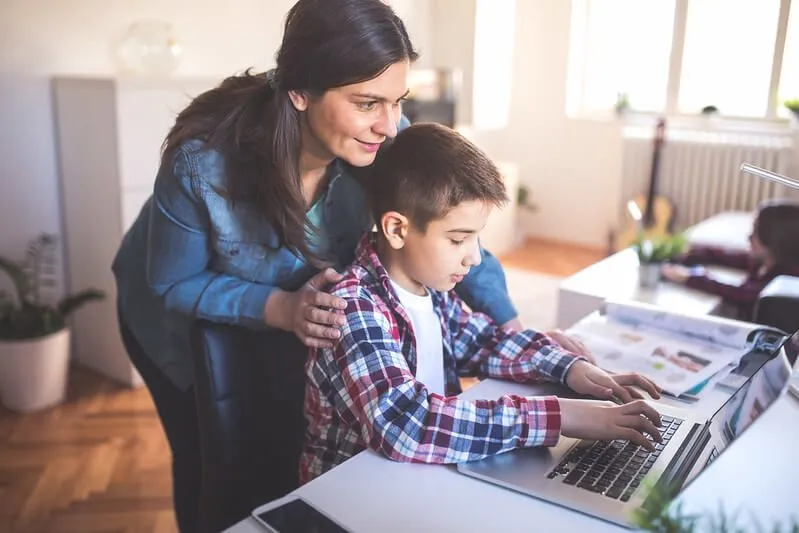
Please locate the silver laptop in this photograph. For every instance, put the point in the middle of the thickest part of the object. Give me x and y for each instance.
(605, 478)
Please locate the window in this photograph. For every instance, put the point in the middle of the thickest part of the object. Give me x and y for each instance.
(789, 80)
(634, 61)
(727, 59)
(678, 56)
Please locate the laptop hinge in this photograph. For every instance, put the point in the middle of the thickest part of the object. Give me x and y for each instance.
(673, 477)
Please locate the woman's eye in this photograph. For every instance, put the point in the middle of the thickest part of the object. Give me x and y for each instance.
(366, 106)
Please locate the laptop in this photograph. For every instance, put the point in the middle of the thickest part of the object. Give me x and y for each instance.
(609, 479)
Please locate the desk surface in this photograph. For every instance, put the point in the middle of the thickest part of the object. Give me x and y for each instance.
(370, 493)
(616, 277)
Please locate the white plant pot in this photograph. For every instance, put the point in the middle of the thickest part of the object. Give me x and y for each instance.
(33, 373)
(649, 275)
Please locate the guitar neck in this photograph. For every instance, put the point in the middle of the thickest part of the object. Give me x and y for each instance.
(649, 216)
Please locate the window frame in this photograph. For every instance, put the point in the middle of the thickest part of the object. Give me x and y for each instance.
(575, 87)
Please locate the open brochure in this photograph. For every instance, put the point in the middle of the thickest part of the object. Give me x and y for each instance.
(676, 351)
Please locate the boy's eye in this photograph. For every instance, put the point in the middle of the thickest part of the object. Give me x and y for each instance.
(456, 242)
(366, 106)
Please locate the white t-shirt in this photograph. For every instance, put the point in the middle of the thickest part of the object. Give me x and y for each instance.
(429, 343)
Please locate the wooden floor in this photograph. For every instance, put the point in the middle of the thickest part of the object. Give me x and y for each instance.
(100, 462)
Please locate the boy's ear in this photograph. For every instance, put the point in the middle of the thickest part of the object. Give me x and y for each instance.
(394, 227)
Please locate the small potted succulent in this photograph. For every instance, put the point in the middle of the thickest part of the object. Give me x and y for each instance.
(653, 252)
(34, 336)
(792, 105)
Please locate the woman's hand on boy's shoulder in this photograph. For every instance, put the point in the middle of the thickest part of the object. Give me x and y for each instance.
(586, 378)
(312, 314)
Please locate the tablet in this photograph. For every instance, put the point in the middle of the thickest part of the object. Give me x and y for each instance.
(297, 516)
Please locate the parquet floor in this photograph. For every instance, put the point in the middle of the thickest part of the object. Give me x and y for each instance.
(100, 462)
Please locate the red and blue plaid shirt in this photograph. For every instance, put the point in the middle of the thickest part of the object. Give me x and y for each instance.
(362, 392)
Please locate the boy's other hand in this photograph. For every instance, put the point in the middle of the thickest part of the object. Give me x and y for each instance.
(594, 419)
(585, 378)
(571, 344)
(315, 315)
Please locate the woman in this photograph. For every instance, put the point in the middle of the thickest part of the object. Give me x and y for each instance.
(774, 251)
(255, 199)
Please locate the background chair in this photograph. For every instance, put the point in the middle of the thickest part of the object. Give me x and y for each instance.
(249, 404)
(778, 304)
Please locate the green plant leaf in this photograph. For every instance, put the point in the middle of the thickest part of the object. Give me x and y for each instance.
(659, 250)
(30, 317)
(70, 303)
(18, 277)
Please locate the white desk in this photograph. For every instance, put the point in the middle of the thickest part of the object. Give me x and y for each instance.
(370, 493)
(616, 276)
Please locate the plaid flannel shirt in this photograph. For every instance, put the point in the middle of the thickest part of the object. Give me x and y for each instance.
(362, 393)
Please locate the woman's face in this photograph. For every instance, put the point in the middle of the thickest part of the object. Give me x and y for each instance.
(352, 121)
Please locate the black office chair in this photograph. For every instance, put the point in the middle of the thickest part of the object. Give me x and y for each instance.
(249, 404)
(778, 304)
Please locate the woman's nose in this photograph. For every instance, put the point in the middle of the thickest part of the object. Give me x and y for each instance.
(387, 123)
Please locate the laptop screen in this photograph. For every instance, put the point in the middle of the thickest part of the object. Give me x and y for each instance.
(754, 397)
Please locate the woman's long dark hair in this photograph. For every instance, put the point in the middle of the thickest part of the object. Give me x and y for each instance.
(777, 227)
(252, 122)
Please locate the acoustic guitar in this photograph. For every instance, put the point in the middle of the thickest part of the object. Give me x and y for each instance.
(650, 216)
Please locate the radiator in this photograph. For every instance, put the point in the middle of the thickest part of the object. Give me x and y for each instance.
(699, 171)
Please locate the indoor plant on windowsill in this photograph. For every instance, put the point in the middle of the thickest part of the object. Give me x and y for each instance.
(652, 253)
(34, 337)
(792, 105)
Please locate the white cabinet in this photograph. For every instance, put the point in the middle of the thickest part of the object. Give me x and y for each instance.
(109, 134)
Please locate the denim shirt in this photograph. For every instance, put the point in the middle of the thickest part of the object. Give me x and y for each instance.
(192, 254)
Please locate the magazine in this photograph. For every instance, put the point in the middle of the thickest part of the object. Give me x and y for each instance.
(676, 351)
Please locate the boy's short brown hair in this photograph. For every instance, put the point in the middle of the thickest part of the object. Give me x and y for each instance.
(427, 170)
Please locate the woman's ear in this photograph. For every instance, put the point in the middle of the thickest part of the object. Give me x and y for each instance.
(394, 227)
(299, 99)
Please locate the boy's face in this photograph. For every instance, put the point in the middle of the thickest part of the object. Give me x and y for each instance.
(440, 256)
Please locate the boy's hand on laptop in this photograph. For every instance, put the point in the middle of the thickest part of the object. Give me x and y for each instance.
(571, 344)
(598, 420)
(586, 378)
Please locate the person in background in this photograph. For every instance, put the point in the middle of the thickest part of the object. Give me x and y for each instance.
(774, 251)
(257, 200)
(391, 382)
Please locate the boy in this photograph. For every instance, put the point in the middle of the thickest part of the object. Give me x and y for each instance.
(390, 383)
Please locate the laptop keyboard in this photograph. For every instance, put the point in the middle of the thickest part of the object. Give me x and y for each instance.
(613, 468)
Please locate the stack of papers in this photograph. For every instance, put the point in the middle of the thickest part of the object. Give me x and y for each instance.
(675, 351)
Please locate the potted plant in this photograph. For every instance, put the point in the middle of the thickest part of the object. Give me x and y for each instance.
(792, 105)
(34, 337)
(653, 252)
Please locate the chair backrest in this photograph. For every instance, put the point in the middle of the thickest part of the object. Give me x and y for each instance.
(778, 304)
(250, 388)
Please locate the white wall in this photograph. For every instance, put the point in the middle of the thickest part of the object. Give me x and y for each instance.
(573, 168)
(41, 38)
